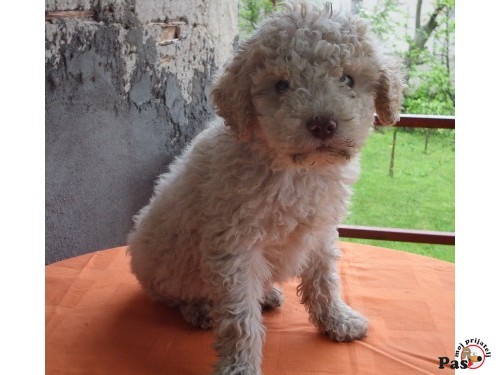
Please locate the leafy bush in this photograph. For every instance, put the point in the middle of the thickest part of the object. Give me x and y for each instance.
(430, 91)
(251, 12)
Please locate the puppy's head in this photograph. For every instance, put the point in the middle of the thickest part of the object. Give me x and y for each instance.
(307, 84)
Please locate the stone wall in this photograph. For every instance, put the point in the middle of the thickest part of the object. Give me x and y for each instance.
(127, 84)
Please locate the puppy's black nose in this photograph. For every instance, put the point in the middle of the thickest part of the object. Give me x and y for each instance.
(321, 127)
(479, 358)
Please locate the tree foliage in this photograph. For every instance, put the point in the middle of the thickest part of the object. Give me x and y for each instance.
(426, 52)
(432, 93)
(430, 75)
(383, 19)
(251, 12)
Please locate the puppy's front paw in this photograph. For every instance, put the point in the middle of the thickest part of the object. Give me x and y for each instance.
(347, 325)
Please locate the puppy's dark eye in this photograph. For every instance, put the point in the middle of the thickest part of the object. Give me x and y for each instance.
(347, 80)
(282, 86)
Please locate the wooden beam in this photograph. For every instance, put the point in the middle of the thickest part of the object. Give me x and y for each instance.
(424, 121)
(397, 234)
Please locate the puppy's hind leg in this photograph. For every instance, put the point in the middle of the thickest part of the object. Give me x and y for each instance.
(198, 312)
(273, 298)
(320, 292)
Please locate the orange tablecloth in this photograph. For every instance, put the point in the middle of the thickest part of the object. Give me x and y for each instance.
(98, 321)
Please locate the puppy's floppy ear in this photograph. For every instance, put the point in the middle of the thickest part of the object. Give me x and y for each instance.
(231, 96)
(389, 94)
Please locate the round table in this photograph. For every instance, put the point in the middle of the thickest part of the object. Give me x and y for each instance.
(98, 321)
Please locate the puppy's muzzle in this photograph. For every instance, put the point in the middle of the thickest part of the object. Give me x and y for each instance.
(321, 127)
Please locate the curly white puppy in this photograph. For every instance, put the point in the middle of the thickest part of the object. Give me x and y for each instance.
(257, 196)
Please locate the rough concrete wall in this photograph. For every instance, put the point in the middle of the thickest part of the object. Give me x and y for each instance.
(126, 88)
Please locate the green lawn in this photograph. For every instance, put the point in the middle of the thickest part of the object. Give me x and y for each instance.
(420, 195)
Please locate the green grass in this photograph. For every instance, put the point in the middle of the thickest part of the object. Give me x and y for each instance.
(420, 195)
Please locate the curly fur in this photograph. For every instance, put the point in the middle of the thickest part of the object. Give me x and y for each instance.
(257, 196)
